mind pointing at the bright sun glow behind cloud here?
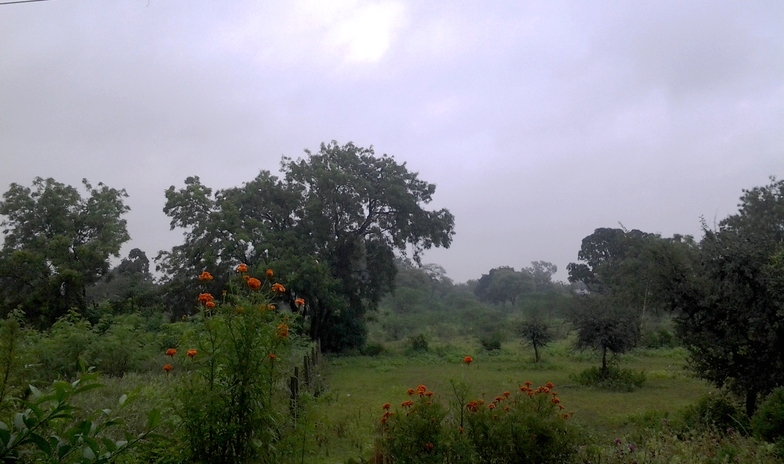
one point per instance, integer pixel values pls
(365, 34)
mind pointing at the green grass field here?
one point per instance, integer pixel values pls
(345, 417)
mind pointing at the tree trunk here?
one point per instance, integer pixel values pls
(604, 360)
(751, 402)
(536, 353)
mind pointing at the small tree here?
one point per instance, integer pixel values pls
(537, 334)
(605, 325)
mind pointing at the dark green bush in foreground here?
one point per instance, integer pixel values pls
(614, 378)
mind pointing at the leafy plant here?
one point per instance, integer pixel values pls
(50, 429)
(768, 421)
(614, 378)
(228, 399)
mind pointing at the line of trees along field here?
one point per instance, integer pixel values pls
(343, 227)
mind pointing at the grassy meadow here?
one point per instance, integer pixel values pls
(345, 417)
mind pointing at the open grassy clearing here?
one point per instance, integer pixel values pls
(344, 419)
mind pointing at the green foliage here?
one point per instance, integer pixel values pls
(605, 325)
(524, 426)
(537, 334)
(768, 420)
(56, 244)
(229, 400)
(415, 433)
(491, 341)
(372, 349)
(114, 346)
(728, 294)
(716, 412)
(504, 284)
(417, 343)
(49, 429)
(612, 378)
(331, 227)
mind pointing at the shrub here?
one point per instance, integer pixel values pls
(418, 343)
(768, 421)
(525, 426)
(715, 412)
(491, 341)
(614, 378)
(228, 400)
(372, 349)
(49, 428)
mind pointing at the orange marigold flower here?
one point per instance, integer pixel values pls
(242, 268)
(209, 305)
(410, 391)
(407, 404)
(491, 406)
(460, 429)
(283, 330)
(246, 277)
(171, 352)
(383, 420)
(205, 297)
(549, 385)
(205, 276)
(271, 307)
(272, 356)
(429, 446)
(386, 406)
(506, 409)
(527, 384)
(566, 416)
(239, 310)
(278, 288)
(254, 283)
(506, 394)
(428, 394)
(421, 389)
(191, 353)
(270, 273)
(299, 302)
(555, 400)
(167, 367)
(468, 360)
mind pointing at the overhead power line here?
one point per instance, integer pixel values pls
(21, 1)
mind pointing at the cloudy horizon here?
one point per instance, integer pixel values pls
(537, 121)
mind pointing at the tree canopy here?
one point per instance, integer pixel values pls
(56, 244)
(331, 226)
(728, 296)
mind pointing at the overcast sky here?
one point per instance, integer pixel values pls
(538, 121)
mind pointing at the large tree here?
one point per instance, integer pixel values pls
(728, 296)
(504, 284)
(56, 244)
(331, 226)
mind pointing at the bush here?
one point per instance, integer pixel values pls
(658, 338)
(230, 400)
(417, 343)
(491, 341)
(372, 349)
(715, 412)
(525, 426)
(768, 421)
(614, 378)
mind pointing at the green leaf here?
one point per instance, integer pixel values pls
(122, 400)
(36, 392)
(19, 422)
(41, 443)
(153, 418)
(88, 453)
